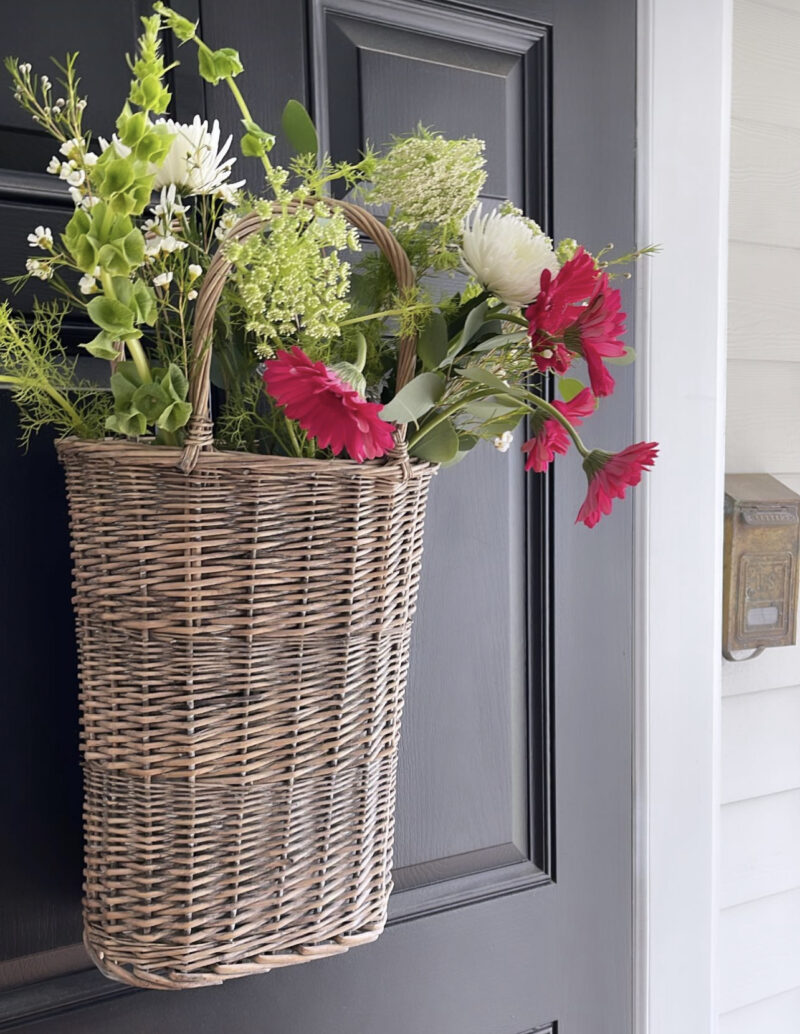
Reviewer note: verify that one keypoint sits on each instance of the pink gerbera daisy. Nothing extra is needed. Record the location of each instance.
(328, 408)
(596, 333)
(610, 474)
(556, 307)
(550, 436)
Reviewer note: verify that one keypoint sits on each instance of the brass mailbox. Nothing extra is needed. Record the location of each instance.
(762, 541)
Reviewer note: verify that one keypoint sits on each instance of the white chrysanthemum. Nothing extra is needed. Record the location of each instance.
(196, 163)
(505, 255)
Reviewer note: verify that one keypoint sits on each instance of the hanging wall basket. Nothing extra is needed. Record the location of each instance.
(243, 625)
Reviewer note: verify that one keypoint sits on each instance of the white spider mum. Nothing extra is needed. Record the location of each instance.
(195, 164)
(505, 255)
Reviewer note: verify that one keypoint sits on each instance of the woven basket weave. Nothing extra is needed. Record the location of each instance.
(243, 627)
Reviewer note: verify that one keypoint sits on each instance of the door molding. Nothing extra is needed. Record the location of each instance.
(683, 87)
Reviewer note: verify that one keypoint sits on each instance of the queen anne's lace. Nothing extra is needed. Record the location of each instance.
(427, 179)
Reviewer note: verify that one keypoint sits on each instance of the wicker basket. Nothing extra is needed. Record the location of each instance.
(243, 625)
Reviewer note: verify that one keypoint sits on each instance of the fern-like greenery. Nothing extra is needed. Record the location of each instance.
(35, 365)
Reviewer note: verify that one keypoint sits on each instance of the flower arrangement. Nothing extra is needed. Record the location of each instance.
(307, 326)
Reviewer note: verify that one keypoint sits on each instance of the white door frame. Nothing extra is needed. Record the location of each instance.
(684, 57)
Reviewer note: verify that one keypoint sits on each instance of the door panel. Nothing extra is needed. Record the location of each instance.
(512, 908)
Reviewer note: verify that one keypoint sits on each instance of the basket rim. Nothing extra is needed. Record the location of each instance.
(143, 453)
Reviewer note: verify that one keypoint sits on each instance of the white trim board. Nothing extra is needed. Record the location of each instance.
(684, 65)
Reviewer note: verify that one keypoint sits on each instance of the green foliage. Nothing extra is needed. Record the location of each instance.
(139, 403)
(215, 65)
(183, 28)
(299, 128)
(439, 444)
(42, 376)
(432, 344)
(416, 399)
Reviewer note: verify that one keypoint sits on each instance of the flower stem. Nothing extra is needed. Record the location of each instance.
(237, 96)
(134, 345)
(293, 439)
(551, 411)
(384, 312)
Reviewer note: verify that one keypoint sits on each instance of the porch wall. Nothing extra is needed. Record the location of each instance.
(759, 934)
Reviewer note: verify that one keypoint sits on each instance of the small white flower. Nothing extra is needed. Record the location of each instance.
(90, 159)
(67, 168)
(72, 148)
(228, 194)
(87, 284)
(61, 103)
(45, 82)
(170, 244)
(195, 163)
(123, 151)
(25, 68)
(162, 279)
(194, 271)
(81, 104)
(505, 255)
(227, 222)
(503, 441)
(41, 269)
(191, 295)
(77, 197)
(76, 178)
(42, 237)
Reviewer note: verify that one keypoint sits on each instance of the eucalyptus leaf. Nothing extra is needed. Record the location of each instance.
(491, 380)
(472, 324)
(492, 409)
(439, 445)
(622, 360)
(569, 387)
(432, 343)
(413, 401)
(501, 424)
(499, 341)
(299, 128)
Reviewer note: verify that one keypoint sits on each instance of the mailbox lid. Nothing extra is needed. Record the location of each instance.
(757, 489)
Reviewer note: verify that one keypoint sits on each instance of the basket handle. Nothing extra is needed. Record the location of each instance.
(200, 430)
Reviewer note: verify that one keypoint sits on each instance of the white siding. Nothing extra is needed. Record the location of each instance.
(759, 935)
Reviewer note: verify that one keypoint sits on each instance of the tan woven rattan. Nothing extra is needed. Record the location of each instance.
(243, 626)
